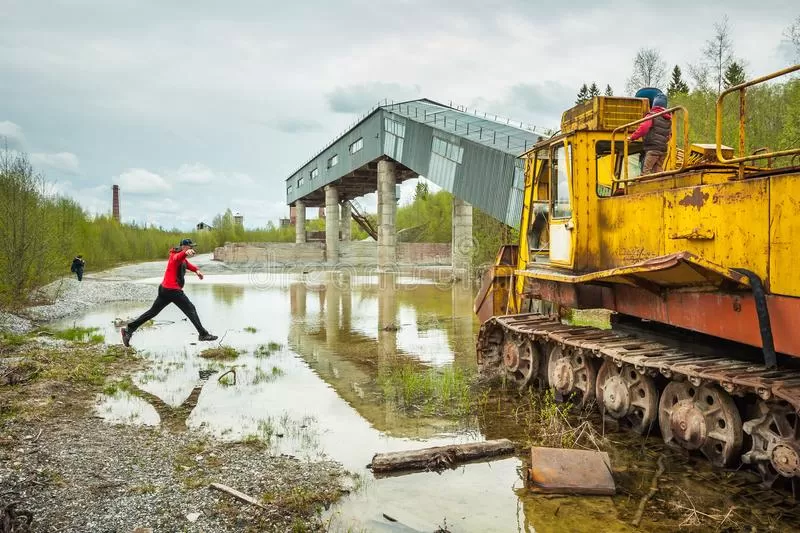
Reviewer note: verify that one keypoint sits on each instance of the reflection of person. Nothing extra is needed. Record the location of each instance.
(78, 264)
(171, 291)
(656, 133)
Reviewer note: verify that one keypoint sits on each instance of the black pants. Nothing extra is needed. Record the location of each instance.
(164, 298)
(79, 273)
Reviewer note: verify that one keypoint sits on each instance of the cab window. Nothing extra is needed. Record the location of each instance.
(560, 181)
(605, 184)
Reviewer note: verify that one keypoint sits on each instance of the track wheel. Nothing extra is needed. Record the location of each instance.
(521, 360)
(701, 418)
(776, 442)
(625, 394)
(572, 374)
(491, 341)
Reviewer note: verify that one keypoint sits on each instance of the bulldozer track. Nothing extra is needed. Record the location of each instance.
(735, 376)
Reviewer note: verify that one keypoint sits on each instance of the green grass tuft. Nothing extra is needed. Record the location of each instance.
(430, 391)
(220, 353)
(79, 334)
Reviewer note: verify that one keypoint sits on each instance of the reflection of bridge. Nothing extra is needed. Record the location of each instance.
(351, 361)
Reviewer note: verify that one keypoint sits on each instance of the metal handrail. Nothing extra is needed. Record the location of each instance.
(741, 90)
(673, 143)
(427, 116)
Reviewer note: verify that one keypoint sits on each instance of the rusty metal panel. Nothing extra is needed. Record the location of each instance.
(727, 224)
(629, 230)
(784, 235)
(565, 471)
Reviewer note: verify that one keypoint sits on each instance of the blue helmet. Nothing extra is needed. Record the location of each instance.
(660, 100)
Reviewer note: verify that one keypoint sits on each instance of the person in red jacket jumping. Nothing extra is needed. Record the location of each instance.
(171, 292)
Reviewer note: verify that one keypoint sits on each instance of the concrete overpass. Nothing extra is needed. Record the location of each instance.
(474, 156)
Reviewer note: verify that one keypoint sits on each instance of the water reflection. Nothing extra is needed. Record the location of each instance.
(312, 381)
(227, 294)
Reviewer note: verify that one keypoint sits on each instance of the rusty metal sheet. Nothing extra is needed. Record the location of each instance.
(564, 471)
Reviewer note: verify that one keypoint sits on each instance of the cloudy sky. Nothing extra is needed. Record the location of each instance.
(195, 107)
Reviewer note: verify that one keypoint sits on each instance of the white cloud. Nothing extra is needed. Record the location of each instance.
(141, 181)
(63, 161)
(193, 173)
(162, 206)
(12, 134)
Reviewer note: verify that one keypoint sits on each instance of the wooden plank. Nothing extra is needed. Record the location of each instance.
(236, 494)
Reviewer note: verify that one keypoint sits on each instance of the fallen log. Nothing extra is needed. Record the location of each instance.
(440, 458)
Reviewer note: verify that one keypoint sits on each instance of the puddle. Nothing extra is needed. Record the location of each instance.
(319, 355)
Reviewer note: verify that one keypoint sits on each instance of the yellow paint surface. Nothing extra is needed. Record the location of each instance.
(784, 235)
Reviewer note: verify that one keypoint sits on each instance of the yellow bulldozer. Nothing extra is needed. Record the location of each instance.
(694, 265)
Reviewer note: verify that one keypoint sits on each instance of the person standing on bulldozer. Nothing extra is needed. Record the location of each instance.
(171, 292)
(656, 133)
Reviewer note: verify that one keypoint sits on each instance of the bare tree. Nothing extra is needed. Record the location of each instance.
(700, 75)
(792, 36)
(719, 51)
(649, 70)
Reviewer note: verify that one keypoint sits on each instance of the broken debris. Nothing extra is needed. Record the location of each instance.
(566, 471)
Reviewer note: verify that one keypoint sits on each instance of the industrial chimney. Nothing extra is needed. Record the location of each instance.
(115, 202)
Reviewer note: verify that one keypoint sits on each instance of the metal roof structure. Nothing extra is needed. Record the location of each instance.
(476, 157)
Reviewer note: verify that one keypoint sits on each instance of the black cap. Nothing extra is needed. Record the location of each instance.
(187, 242)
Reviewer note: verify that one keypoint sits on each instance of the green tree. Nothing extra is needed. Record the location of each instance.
(421, 190)
(593, 91)
(609, 91)
(583, 94)
(677, 85)
(734, 75)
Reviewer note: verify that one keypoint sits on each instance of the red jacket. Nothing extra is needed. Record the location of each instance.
(644, 127)
(176, 266)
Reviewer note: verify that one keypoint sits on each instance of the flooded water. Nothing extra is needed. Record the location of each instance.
(315, 379)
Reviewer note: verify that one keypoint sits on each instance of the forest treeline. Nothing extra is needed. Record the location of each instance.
(40, 233)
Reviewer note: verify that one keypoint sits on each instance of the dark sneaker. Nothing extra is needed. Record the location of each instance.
(126, 337)
(207, 337)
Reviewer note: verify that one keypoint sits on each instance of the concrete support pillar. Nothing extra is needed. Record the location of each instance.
(387, 208)
(346, 222)
(332, 224)
(463, 244)
(332, 299)
(463, 316)
(387, 318)
(300, 222)
(297, 294)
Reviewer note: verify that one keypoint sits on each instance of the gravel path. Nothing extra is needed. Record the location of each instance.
(92, 476)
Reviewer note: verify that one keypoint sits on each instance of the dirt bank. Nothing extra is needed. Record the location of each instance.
(74, 472)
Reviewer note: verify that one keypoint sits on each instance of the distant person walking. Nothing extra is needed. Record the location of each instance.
(171, 292)
(78, 264)
(656, 133)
